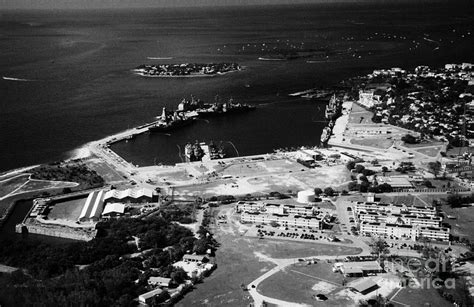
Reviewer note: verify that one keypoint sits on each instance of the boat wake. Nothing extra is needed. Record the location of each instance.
(16, 79)
(159, 58)
(270, 59)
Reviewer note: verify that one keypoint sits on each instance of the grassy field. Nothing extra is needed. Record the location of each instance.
(420, 297)
(409, 199)
(287, 249)
(236, 264)
(67, 210)
(10, 185)
(34, 185)
(463, 225)
(431, 152)
(455, 151)
(423, 144)
(379, 142)
(299, 283)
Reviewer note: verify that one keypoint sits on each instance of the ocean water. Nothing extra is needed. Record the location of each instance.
(74, 83)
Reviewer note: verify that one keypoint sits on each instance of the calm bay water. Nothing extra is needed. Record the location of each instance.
(80, 87)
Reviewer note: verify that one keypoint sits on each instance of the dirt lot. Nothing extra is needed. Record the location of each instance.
(359, 115)
(104, 170)
(281, 176)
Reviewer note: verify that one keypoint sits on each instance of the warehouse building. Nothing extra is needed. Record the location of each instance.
(141, 195)
(92, 209)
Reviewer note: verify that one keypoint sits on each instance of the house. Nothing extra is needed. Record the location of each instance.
(159, 281)
(364, 286)
(360, 268)
(153, 296)
(195, 258)
(195, 265)
(400, 182)
(113, 210)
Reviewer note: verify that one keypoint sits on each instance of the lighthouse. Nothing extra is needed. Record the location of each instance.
(163, 114)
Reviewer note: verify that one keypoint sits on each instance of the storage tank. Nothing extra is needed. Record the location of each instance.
(305, 197)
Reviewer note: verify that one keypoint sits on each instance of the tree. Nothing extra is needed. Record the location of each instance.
(373, 189)
(384, 170)
(179, 276)
(353, 186)
(435, 167)
(364, 186)
(359, 168)
(350, 165)
(318, 191)
(428, 184)
(385, 188)
(368, 172)
(379, 247)
(274, 224)
(409, 139)
(329, 191)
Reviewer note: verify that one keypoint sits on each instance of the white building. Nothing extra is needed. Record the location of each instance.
(159, 281)
(137, 195)
(285, 220)
(404, 231)
(113, 210)
(305, 197)
(396, 182)
(148, 297)
(92, 209)
(399, 219)
(368, 99)
(243, 206)
(274, 208)
(394, 208)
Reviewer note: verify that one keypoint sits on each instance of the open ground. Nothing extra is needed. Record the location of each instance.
(239, 261)
(67, 210)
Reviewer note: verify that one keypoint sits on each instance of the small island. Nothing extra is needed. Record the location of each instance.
(186, 69)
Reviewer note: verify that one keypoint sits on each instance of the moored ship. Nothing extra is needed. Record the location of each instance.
(331, 108)
(228, 107)
(168, 122)
(203, 152)
(325, 135)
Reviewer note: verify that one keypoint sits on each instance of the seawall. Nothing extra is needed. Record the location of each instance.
(57, 231)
